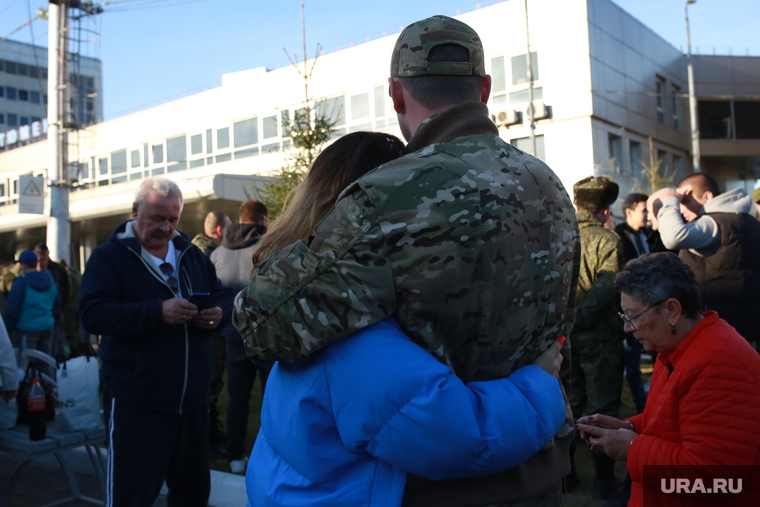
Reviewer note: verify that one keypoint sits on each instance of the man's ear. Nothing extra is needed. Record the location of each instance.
(485, 89)
(135, 207)
(396, 91)
(708, 196)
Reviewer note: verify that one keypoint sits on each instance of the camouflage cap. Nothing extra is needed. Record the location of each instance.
(413, 45)
(595, 192)
(756, 195)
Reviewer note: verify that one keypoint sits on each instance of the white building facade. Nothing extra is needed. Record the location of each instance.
(605, 86)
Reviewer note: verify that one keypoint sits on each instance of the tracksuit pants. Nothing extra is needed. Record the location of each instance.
(146, 448)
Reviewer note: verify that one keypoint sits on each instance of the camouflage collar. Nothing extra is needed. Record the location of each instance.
(587, 218)
(469, 119)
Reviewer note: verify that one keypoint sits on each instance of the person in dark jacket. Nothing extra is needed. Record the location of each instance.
(61, 279)
(155, 351)
(637, 238)
(233, 267)
(33, 303)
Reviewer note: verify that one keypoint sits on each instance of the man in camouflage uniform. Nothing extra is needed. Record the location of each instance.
(213, 227)
(597, 367)
(469, 242)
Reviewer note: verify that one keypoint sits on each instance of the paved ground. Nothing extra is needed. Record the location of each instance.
(40, 485)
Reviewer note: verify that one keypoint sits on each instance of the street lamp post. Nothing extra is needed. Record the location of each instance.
(692, 97)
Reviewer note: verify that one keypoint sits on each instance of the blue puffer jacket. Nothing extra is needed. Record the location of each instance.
(32, 302)
(346, 425)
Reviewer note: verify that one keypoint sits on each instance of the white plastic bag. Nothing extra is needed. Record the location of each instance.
(8, 414)
(78, 398)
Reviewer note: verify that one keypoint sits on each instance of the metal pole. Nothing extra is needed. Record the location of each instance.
(531, 121)
(58, 226)
(695, 153)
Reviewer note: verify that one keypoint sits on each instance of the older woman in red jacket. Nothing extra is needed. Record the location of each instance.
(704, 402)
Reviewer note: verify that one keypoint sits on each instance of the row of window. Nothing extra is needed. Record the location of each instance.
(10, 93)
(517, 75)
(20, 69)
(14, 120)
(636, 163)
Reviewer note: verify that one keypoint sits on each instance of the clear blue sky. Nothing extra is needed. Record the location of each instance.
(153, 50)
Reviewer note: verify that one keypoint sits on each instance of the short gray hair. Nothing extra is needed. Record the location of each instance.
(655, 278)
(161, 186)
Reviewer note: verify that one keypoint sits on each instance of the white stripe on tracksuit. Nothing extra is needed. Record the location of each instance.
(109, 473)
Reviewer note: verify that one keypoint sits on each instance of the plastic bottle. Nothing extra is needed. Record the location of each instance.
(36, 405)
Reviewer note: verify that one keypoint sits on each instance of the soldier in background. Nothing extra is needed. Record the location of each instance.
(596, 374)
(213, 227)
(470, 243)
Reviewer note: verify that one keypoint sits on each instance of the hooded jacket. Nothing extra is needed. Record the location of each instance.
(233, 263)
(33, 302)
(702, 235)
(233, 258)
(147, 363)
(722, 247)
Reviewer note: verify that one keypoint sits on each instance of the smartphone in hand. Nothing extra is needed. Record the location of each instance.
(204, 300)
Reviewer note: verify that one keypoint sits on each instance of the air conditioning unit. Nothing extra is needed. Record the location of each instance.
(541, 111)
(507, 118)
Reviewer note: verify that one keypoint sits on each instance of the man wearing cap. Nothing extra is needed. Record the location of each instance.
(32, 305)
(597, 369)
(470, 243)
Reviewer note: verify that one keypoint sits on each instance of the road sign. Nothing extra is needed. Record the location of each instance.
(31, 196)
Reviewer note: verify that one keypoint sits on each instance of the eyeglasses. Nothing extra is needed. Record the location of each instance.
(629, 320)
(171, 280)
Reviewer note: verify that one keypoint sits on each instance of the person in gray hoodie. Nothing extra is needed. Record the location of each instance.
(233, 267)
(718, 236)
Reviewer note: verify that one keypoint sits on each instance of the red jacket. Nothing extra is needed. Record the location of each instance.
(703, 408)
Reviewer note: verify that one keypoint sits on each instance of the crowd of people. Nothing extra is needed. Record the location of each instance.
(436, 323)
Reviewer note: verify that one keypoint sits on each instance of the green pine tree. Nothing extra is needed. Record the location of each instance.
(656, 176)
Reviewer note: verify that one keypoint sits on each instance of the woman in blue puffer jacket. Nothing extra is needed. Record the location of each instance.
(346, 425)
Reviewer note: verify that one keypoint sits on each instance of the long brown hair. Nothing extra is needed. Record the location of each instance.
(340, 164)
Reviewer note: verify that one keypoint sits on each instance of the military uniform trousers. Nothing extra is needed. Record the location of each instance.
(596, 378)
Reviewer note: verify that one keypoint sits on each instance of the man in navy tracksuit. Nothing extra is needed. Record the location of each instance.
(155, 351)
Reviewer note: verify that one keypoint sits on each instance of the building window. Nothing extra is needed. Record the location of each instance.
(2, 118)
(524, 144)
(196, 144)
(678, 167)
(522, 95)
(176, 149)
(158, 153)
(660, 85)
(246, 132)
(24, 120)
(10, 67)
(615, 153)
(675, 108)
(209, 141)
(12, 120)
(520, 68)
(2, 92)
(134, 157)
(334, 109)
(498, 75)
(662, 155)
(360, 106)
(379, 101)
(34, 71)
(10, 93)
(23, 96)
(22, 70)
(747, 119)
(715, 119)
(223, 138)
(269, 126)
(119, 166)
(635, 156)
(285, 121)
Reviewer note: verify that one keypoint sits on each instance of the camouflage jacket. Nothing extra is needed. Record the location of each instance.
(470, 243)
(205, 243)
(598, 303)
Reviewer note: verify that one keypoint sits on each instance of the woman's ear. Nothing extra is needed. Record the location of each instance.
(673, 308)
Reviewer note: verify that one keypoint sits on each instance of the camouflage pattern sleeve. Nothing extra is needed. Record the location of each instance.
(602, 294)
(313, 293)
